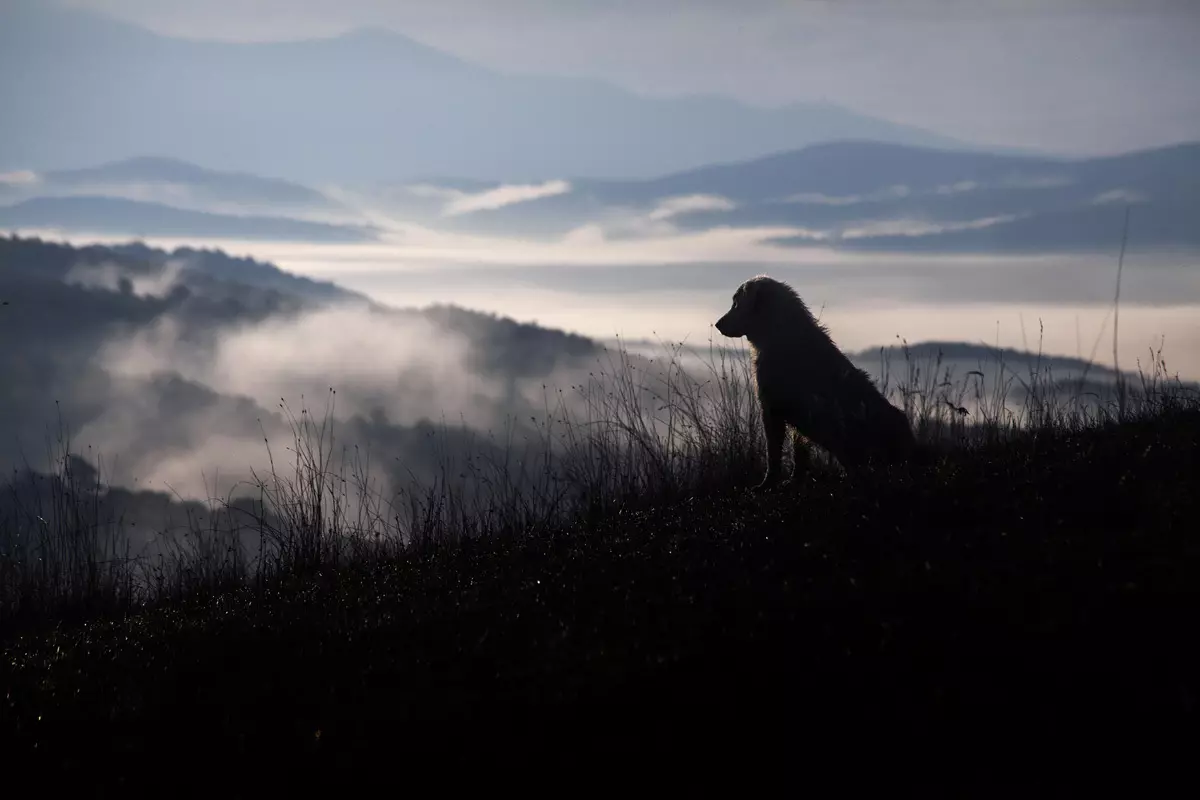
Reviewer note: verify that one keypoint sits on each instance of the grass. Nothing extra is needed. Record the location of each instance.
(608, 572)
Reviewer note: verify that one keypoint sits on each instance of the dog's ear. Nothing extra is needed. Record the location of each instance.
(755, 299)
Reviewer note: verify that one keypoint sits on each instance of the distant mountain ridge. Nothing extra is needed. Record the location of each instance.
(356, 107)
(88, 214)
(214, 185)
(35, 258)
(884, 196)
(850, 195)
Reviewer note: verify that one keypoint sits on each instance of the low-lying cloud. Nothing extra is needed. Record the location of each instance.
(1119, 196)
(1023, 181)
(669, 207)
(907, 227)
(901, 192)
(19, 178)
(897, 192)
(959, 187)
(192, 411)
(501, 196)
(404, 364)
(115, 278)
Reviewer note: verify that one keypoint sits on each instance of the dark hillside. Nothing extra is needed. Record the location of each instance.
(1040, 592)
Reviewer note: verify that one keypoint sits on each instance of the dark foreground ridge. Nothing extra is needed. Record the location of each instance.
(1029, 592)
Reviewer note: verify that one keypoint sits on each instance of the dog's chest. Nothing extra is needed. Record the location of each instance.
(784, 373)
(772, 372)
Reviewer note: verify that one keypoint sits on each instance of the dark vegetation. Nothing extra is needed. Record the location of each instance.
(1037, 588)
(621, 600)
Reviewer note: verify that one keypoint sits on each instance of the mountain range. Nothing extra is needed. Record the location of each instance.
(81, 88)
(110, 215)
(172, 181)
(881, 196)
(850, 195)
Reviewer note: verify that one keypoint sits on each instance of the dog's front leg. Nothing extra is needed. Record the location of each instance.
(801, 455)
(775, 429)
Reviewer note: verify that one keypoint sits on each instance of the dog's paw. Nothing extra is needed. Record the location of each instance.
(767, 485)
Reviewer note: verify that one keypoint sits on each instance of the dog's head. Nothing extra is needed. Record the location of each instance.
(750, 301)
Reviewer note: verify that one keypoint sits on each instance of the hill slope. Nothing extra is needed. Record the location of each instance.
(1034, 590)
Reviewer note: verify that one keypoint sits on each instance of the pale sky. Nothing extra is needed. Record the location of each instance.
(1074, 76)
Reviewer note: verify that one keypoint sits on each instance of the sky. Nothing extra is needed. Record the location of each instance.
(1069, 76)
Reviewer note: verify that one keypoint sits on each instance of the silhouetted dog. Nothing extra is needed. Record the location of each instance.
(805, 381)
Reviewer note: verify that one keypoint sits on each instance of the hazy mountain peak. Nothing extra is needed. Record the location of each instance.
(381, 46)
(146, 167)
(378, 33)
(368, 104)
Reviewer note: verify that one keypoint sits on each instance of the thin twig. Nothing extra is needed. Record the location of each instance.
(1116, 316)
